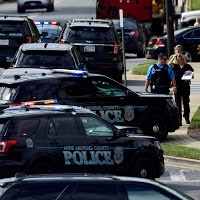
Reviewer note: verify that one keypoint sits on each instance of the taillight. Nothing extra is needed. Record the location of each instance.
(159, 42)
(116, 48)
(14, 104)
(5, 145)
(134, 33)
(62, 42)
(29, 39)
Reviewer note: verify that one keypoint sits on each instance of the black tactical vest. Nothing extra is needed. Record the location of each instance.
(161, 77)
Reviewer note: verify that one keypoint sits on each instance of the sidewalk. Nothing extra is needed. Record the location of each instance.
(180, 136)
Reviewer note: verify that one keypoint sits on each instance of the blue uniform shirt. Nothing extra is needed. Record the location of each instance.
(151, 71)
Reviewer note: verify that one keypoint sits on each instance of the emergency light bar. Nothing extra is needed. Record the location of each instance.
(46, 23)
(44, 102)
(71, 72)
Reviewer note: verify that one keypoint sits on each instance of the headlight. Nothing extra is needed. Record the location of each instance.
(171, 102)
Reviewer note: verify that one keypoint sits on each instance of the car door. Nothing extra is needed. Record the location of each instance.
(62, 138)
(114, 102)
(106, 153)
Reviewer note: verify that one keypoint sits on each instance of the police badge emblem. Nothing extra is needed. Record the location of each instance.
(129, 113)
(118, 155)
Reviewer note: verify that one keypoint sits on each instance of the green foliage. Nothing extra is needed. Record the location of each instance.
(142, 68)
(195, 4)
(195, 122)
(181, 151)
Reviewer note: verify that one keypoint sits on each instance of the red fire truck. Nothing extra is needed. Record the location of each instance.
(148, 12)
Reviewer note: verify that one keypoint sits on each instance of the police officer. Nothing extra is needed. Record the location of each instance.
(160, 76)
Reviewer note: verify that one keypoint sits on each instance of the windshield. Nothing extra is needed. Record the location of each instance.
(97, 34)
(7, 93)
(46, 60)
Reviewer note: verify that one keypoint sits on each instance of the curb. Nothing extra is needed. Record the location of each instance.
(182, 162)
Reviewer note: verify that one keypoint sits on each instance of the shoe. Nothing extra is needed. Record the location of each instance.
(187, 121)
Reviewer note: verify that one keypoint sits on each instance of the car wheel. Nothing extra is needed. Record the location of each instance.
(20, 9)
(144, 168)
(41, 168)
(187, 55)
(156, 126)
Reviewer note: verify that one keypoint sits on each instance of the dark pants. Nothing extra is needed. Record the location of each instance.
(186, 100)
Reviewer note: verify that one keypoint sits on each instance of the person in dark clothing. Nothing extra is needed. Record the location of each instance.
(183, 86)
(160, 76)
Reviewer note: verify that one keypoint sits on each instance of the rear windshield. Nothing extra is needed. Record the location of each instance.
(7, 92)
(3, 125)
(46, 60)
(49, 30)
(97, 34)
(13, 28)
(127, 25)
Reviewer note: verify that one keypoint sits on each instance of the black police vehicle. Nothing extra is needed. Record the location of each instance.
(62, 138)
(14, 31)
(154, 114)
(48, 56)
(98, 44)
(85, 186)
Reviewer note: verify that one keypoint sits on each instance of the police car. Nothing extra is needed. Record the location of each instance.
(49, 30)
(155, 114)
(51, 139)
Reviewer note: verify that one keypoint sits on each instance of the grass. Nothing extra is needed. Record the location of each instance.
(181, 151)
(195, 122)
(142, 68)
(195, 5)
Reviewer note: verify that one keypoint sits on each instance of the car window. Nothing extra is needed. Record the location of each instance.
(188, 35)
(95, 192)
(63, 126)
(13, 28)
(95, 127)
(196, 34)
(97, 34)
(7, 92)
(40, 192)
(106, 87)
(140, 192)
(73, 87)
(38, 90)
(22, 127)
(46, 59)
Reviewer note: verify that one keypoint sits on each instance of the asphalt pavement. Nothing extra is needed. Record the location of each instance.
(180, 137)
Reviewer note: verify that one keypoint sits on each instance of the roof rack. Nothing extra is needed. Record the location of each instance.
(103, 21)
(70, 72)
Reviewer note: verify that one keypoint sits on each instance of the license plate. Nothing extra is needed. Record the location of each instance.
(4, 42)
(89, 48)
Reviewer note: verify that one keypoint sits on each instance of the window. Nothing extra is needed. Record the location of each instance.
(7, 92)
(38, 90)
(95, 127)
(95, 192)
(22, 127)
(40, 192)
(73, 87)
(196, 34)
(140, 192)
(105, 87)
(63, 126)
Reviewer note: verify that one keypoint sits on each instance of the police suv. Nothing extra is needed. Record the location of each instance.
(50, 139)
(154, 114)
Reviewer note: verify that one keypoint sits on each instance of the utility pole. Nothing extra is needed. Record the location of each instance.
(170, 27)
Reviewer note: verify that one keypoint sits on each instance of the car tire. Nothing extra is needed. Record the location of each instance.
(188, 56)
(156, 126)
(20, 9)
(144, 168)
(41, 168)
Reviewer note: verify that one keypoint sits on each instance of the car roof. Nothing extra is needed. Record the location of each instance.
(56, 73)
(90, 22)
(13, 18)
(46, 109)
(46, 46)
